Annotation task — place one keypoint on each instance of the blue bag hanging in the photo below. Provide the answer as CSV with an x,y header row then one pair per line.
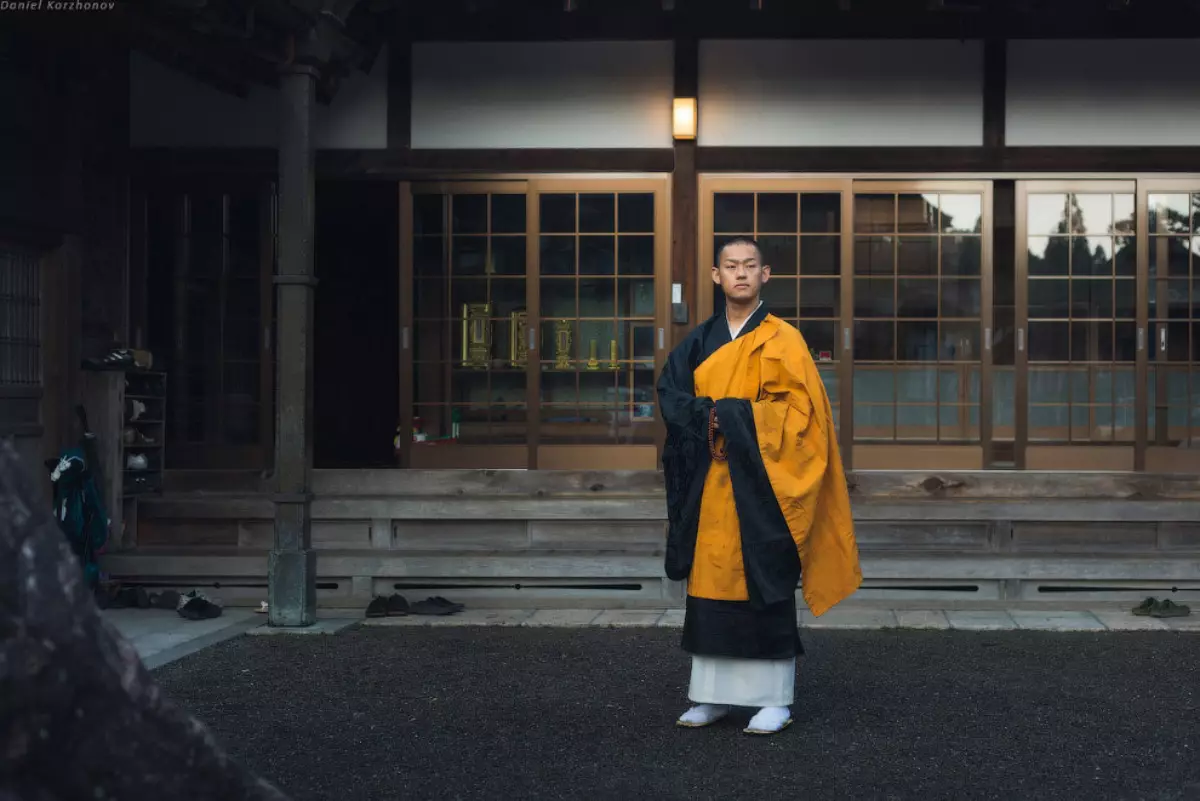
x,y
79,504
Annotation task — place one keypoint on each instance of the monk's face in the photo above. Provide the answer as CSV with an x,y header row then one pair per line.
x,y
740,272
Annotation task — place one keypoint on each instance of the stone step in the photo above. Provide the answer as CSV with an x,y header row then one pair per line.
x,y
852,618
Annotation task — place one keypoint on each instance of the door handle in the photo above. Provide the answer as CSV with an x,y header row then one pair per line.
x,y
404,338
1162,338
531,335
1020,340
987,339
1141,340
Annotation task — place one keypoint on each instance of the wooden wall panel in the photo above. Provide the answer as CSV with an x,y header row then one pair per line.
x,y
255,535
918,457
188,533
1115,459
1179,536
458,483
586,535
341,534
449,535
1098,537
885,536
617,457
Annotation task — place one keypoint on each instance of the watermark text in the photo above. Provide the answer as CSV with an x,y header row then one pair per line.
x,y
57,5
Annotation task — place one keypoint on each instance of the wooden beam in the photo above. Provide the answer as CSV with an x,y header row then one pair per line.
x,y
223,67
929,160
340,564
995,89
483,508
895,20
208,74
241,493
399,93
149,165
155,163
390,163
152,164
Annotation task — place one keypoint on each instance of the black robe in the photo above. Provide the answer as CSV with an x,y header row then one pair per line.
x,y
764,627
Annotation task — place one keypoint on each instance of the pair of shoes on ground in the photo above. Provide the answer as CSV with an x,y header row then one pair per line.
x,y
768,720
1152,607
118,597
397,606
197,606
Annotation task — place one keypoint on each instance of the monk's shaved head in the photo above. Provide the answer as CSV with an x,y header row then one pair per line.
x,y
740,240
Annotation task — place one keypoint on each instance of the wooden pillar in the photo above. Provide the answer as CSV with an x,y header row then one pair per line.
x,y
292,578
685,207
995,88
399,93
995,111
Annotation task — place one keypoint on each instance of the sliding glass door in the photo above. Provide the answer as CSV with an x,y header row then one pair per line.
x,y
891,285
1078,330
535,323
922,324
602,271
1170,227
801,225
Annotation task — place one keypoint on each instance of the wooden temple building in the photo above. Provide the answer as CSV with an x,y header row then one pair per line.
x,y
407,272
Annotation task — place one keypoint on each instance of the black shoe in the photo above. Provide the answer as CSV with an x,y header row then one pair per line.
x,y
199,608
457,607
397,606
378,607
431,607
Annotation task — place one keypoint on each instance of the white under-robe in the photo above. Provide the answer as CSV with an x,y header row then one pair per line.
x,y
742,682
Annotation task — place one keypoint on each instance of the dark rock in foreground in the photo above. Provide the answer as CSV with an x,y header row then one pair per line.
x,y
80,716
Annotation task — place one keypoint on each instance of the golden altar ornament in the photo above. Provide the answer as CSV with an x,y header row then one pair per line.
x,y
562,345
518,342
592,363
612,355
476,335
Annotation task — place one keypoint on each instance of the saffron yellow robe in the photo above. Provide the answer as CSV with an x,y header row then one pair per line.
x,y
745,530
793,421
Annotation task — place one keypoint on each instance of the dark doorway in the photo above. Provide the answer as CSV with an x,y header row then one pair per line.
x,y
356,375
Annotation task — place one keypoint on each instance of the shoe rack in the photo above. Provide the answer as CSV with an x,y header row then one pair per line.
x,y
144,432
143,435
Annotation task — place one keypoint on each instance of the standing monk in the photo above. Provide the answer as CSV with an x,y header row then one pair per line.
x,y
755,490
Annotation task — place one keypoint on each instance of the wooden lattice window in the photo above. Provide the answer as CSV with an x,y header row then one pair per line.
x,y
20,318
209,256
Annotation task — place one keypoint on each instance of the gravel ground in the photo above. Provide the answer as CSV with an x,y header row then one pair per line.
x,y
481,713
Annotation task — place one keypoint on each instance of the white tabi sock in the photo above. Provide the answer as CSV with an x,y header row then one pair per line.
x,y
703,715
770,720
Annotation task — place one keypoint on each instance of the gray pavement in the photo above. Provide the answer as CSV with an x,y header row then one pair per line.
x,y
527,712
